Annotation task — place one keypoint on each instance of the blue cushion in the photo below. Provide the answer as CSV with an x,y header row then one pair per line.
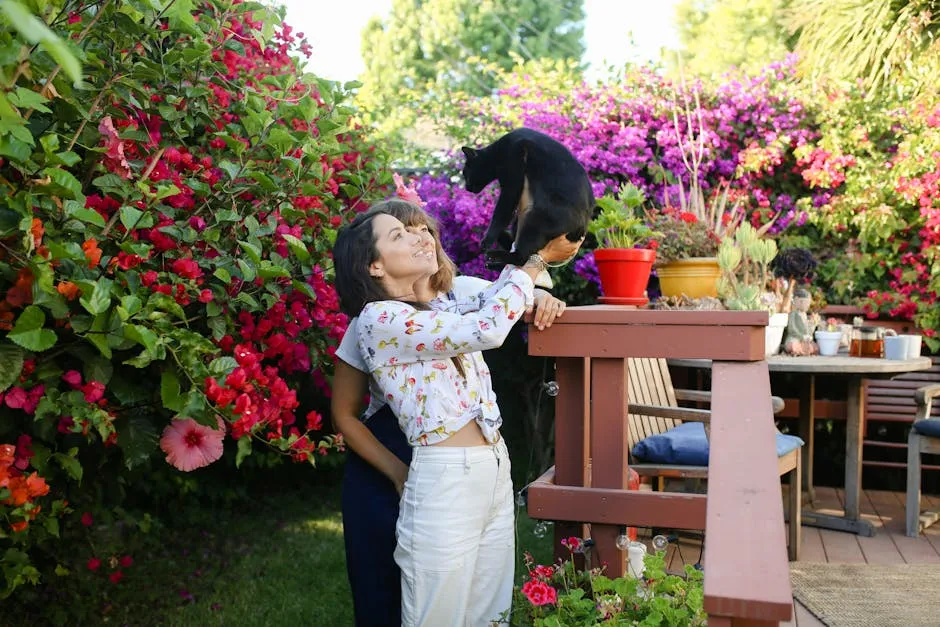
x,y
686,445
929,428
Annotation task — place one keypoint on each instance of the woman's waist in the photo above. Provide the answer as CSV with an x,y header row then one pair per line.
x,y
463,454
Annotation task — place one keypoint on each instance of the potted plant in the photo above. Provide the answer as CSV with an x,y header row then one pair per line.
x,y
563,596
695,226
745,259
624,253
829,338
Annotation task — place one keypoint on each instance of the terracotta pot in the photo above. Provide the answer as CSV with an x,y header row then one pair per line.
x,y
624,271
696,277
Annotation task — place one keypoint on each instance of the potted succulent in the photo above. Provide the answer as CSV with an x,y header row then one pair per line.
x,y
745,260
625,250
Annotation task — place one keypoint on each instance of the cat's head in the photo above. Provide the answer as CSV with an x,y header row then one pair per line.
x,y
475,175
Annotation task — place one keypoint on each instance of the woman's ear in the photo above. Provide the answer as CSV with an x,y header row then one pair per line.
x,y
376,271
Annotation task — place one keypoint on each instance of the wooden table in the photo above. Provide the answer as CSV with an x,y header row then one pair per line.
x,y
855,369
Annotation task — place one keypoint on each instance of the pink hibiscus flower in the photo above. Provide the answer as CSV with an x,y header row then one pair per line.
x,y
189,445
407,192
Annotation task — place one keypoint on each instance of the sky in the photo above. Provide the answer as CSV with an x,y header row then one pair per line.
x,y
333,28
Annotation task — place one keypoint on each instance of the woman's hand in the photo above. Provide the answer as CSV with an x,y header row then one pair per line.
x,y
547,308
399,475
560,249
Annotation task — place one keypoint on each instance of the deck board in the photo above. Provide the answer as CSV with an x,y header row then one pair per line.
x,y
890,506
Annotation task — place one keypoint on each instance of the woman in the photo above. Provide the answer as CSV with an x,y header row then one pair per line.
x,y
377,464
455,528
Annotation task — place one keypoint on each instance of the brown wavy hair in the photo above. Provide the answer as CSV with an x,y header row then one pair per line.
x,y
354,250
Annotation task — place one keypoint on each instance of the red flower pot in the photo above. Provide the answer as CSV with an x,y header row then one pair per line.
x,y
624,273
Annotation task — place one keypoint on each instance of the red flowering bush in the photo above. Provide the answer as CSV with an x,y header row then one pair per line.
x,y
165,228
561,595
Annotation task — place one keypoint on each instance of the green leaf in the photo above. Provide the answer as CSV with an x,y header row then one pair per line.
x,y
29,99
76,210
130,217
29,332
98,334
223,275
100,298
98,369
14,148
253,252
71,465
137,439
244,450
180,14
63,183
221,366
248,272
297,247
230,168
52,526
130,305
165,191
11,364
304,288
264,181
36,32
142,335
170,391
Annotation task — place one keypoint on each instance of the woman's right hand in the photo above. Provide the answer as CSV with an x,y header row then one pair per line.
x,y
560,249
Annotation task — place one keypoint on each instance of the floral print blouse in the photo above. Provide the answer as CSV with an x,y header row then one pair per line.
x,y
466,295
409,351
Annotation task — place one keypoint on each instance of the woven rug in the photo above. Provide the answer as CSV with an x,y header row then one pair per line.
x,y
862,595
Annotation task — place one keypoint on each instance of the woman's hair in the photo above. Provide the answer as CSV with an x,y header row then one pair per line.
x,y
354,251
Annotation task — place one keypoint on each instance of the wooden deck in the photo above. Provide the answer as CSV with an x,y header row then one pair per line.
x,y
890,545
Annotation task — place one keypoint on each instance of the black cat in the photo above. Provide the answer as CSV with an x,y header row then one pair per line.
x,y
539,177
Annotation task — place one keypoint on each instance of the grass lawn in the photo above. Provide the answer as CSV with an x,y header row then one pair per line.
x,y
276,560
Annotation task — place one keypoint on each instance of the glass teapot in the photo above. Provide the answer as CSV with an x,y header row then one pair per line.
x,y
869,341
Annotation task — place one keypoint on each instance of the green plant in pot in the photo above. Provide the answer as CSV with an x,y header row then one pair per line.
x,y
624,255
745,260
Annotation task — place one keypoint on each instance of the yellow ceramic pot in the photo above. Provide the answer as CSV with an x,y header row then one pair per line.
x,y
696,277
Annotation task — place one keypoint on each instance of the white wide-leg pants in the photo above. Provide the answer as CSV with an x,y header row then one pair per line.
x,y
456,543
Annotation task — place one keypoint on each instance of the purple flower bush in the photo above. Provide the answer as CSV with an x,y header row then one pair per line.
x,y
756,134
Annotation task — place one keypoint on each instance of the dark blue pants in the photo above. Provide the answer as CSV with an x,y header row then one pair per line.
x,y
370,511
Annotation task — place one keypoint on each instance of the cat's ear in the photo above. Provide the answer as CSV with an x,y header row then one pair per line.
x,y
469,152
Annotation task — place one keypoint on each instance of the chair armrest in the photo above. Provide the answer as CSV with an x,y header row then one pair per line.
x,y
700,396
678,413
924,398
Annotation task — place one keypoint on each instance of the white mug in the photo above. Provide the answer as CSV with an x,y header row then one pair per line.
x,y
895,347
913,343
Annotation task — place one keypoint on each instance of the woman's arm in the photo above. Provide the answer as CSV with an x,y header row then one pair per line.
x,y
349,386
392,332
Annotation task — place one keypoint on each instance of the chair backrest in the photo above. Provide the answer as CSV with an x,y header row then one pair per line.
x,y
650,384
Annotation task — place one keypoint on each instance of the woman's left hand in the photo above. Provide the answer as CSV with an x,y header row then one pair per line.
x,y
547,308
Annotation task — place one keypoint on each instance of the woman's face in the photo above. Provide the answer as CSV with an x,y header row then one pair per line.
x,y
404,256
427,240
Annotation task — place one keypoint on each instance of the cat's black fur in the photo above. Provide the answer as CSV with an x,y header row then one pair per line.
x,y
542,180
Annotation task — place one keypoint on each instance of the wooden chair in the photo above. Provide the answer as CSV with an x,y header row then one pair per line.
x,y
924,438
654,409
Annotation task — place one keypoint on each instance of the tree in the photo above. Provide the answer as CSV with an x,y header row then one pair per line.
x,y
430,50
875,41
718,35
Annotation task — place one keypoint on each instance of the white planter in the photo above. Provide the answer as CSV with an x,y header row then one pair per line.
x,y
828,342
775,330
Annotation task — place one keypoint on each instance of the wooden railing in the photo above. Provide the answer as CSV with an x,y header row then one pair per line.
x,y
746,567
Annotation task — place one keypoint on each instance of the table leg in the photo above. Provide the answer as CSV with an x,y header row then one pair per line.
x,y
807,433
855,416
852,521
